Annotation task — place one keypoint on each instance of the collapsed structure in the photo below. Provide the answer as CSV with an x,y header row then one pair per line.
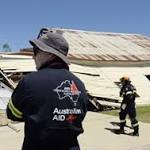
x,y
98,58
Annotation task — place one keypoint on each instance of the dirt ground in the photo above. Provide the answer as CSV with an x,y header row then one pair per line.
x,y
3,119
98,135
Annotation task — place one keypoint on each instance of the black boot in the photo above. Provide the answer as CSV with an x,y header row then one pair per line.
x,y
121,130
136,131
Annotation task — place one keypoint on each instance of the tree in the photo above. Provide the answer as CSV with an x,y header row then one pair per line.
x,y
6,48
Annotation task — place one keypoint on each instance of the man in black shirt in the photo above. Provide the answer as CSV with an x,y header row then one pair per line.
x,y
52,101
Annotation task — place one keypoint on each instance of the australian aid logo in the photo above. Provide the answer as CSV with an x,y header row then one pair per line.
x,y
68,89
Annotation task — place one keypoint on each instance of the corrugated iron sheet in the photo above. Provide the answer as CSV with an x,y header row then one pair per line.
x,y
99,46
16,63
99,81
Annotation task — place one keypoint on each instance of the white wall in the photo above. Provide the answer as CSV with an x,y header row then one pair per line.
x,y
104,86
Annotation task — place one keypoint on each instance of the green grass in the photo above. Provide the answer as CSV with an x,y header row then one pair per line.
x,y
143,113
1,111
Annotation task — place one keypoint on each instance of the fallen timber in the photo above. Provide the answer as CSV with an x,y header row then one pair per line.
x,y
102,104
6,83
95,103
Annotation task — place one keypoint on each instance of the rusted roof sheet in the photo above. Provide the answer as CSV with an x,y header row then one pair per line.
x,y
100,46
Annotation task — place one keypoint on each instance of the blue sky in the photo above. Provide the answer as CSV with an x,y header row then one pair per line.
x,y
20,20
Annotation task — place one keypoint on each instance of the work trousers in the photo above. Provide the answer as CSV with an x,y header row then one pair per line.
x,y
128,109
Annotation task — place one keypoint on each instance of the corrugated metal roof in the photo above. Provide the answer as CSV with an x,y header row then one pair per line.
x,y
102,46
16,63
99,81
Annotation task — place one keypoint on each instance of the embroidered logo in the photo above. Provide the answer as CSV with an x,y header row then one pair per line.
x,y
68,89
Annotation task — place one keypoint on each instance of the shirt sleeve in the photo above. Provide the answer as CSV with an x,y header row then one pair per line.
x,y
15,105
134,90
121,92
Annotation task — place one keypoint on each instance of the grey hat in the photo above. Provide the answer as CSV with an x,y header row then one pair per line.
x,y
53,43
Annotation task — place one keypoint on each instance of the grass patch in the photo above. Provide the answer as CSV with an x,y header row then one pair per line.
x,y
143,113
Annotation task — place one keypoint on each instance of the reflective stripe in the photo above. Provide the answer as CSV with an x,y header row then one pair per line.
x,y
123,93
124,106
14,110
122,121
134,91
129,92
134,125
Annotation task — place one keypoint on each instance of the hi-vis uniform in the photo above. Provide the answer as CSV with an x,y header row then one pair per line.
x,y
128,92
53,104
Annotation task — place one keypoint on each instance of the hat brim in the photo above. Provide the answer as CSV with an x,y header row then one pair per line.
x,y
48,49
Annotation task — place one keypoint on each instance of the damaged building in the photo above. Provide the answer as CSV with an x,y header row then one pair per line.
x,y
99,59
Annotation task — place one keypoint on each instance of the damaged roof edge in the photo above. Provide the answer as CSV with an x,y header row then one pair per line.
x,y
93,32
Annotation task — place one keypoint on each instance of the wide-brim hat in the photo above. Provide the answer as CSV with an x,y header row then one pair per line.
x,y
52,43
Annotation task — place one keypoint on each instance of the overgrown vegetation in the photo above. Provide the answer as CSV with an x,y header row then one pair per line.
x,y
143,113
